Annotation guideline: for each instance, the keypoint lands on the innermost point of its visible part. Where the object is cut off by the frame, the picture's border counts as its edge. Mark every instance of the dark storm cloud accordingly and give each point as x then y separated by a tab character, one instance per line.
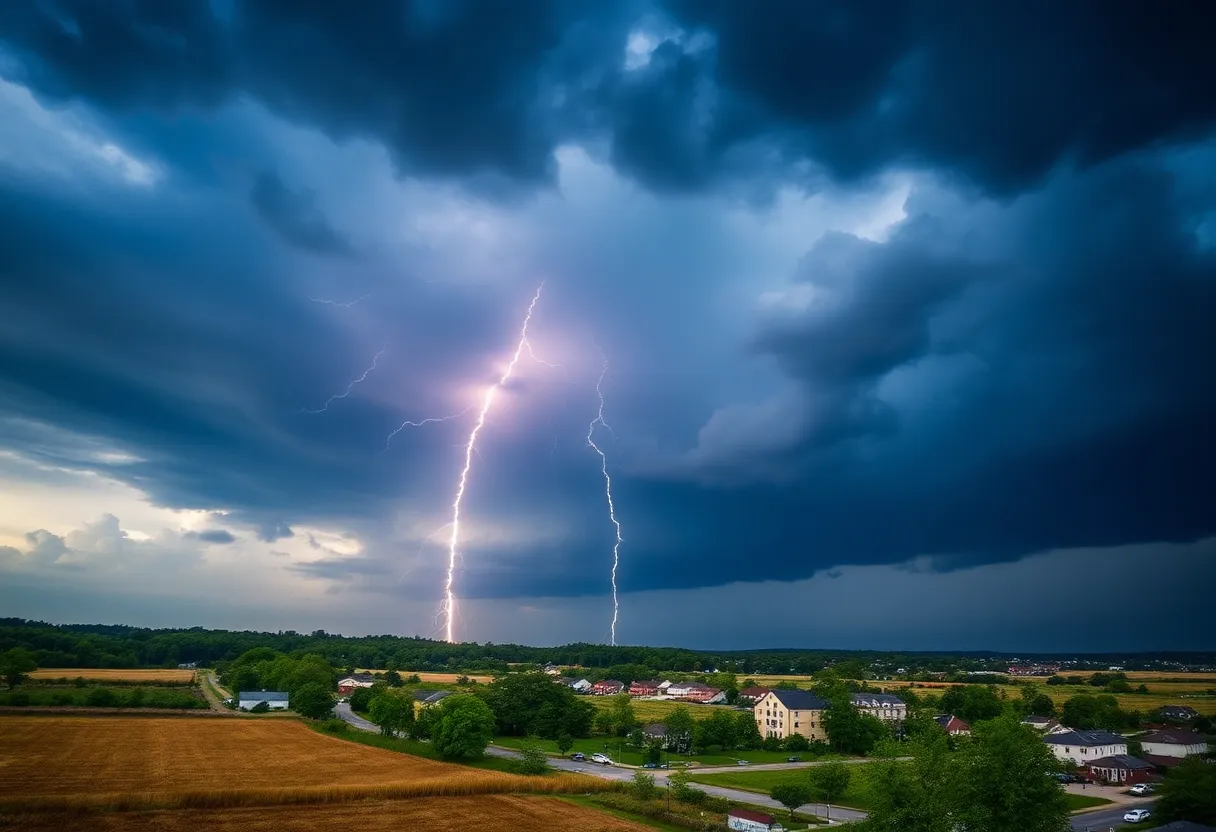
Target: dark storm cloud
295	217
998	92
221	536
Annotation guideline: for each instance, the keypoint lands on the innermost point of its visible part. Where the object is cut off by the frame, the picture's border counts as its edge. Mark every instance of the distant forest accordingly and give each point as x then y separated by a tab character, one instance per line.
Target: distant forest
105	645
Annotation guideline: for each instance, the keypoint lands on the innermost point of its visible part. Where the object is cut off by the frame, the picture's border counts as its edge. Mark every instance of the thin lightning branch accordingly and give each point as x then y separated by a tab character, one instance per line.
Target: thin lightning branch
346	305
538	359
421	422
449	600
349	387
616	547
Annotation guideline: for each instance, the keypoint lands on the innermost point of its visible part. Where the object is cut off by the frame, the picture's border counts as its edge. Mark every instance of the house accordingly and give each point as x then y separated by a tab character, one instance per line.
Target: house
1173	743
664	686
581	686
1120	769
1179	713
248	699
356	680
745	820
655	731
780	713
678	689
607	687
552	670
704	695
644	688
1044	724
752	695
187	666
952	725
1079	747
884	706
426	698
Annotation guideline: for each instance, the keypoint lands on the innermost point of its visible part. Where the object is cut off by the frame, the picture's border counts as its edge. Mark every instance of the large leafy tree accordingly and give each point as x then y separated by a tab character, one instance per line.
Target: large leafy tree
312	700
1189	793
464	727
393	713
680	726
1003	782
623	719
747	732
15	664
849	730
913	796
972	702
830	781
1087	711
532	704
791	795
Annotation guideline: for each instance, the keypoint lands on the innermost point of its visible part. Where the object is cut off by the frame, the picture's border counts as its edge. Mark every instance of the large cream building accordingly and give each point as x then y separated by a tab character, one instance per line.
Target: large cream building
780	713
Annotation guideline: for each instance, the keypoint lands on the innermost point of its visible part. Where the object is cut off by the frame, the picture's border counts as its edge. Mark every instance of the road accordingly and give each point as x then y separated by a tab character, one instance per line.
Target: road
342	711
1108	817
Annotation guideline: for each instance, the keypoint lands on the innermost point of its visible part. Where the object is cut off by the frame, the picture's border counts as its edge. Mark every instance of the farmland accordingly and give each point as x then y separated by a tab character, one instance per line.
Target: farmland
450	814
657	710
94	674
857	796
440	678
51	762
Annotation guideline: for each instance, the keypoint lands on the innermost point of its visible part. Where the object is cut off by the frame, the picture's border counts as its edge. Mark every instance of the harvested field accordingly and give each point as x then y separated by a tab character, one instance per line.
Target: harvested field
120	763
112	675
458	814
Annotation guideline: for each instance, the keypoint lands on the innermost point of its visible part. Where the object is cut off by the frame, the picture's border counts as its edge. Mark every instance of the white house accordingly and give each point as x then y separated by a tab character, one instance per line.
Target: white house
746	820
581	686
277	700
679	689
1080	747
884	706
1173	743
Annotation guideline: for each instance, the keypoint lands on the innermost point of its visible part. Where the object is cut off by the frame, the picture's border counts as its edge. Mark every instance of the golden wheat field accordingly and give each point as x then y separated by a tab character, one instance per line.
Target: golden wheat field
111	675
458	814
129	763
440	678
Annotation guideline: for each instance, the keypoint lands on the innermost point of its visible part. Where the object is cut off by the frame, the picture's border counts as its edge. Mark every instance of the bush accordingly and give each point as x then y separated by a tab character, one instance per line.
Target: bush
796	742
101	698
19	698
361	700
260	708
533	759
334	726
643	786
62	697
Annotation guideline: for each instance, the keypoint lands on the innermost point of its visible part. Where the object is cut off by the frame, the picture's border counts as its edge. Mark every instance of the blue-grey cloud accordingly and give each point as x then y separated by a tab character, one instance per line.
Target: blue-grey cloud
294	217
222	536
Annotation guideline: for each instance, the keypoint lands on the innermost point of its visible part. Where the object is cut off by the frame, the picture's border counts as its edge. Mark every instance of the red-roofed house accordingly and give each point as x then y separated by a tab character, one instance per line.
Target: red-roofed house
1121	769
750	696
706	696
953	725
607	687
644	688
745	820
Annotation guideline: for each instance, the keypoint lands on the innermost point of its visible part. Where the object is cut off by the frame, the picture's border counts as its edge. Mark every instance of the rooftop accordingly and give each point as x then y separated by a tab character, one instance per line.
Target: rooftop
1086	738
1120	761
263	695
430	696
748	814
882	699
800	700
1173	737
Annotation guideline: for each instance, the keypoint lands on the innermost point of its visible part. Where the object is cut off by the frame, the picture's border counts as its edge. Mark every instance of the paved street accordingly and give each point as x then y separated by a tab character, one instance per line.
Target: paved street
1108	817
343	712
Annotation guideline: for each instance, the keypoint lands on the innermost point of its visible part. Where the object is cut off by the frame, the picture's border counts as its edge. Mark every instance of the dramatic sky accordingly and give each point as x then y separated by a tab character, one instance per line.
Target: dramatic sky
908	309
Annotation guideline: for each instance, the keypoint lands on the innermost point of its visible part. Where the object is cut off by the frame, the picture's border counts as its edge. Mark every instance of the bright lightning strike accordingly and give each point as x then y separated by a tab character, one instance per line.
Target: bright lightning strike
421	422
345	305
349	387
449	597
616	547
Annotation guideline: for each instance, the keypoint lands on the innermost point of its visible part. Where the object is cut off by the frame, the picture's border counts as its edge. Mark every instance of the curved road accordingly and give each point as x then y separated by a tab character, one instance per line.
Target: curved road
1108	817
342	711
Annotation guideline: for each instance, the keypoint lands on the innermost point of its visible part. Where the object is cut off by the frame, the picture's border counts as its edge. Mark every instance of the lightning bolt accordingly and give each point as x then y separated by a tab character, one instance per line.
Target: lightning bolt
349	387
616	547
421	422
449	597
346	305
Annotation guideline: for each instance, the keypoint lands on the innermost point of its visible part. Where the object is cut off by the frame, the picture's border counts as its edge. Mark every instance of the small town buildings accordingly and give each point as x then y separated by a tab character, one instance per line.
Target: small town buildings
952	725
348	685
1080	747
1179	713
1120	769
1044	724
607	687
1034	669
581	686
679	690
276	699
642	687
187	666
1173	743
423	698
745	820
552	670
884	706
752	695
664	686
781	713
655	731
705	695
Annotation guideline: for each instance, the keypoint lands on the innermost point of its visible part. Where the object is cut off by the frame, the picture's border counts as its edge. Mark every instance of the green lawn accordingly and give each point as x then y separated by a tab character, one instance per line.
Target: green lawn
857	796
633	756
656	710
1085	801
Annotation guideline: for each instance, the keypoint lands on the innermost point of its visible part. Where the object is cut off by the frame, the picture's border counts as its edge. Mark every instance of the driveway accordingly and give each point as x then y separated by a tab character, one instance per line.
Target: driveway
343	712
1106	818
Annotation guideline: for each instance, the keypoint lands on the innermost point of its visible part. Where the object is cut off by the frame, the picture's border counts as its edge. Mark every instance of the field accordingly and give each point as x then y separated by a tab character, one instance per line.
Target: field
622	753
440	678
648	710
449	814
220	763
111	675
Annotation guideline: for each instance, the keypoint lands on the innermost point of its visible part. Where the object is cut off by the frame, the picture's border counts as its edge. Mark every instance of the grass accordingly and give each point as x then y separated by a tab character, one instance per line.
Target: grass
856	797
70	674
656	710
1077	802
633	756
435	814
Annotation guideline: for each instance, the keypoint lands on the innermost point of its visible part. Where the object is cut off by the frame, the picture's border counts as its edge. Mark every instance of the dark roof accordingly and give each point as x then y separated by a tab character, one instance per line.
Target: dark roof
800	700
1186	709
263	695
1173	737
610	682
754	692
748	814
1183	826
650	683
430	696
1087	738
1120	761
944	720
1037	719
361	677
655	729
880	698
1162	761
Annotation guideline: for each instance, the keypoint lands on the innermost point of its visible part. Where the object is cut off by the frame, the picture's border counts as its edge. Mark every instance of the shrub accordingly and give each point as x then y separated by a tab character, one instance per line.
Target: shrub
796	742
334	726
101	698
19	698
260	708
643	786
533	759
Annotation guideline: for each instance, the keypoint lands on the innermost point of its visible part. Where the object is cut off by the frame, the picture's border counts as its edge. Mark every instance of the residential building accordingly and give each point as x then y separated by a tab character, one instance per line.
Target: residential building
642	687
1173	743
704	695
884	706
780	713
1179	713
552	670
752	695
1044	724
1120	769
1079	747
664	686
276	699
745	820
655	731
423	698
607	687
680	689
1034	669
581	686
356	680
187	666
952	725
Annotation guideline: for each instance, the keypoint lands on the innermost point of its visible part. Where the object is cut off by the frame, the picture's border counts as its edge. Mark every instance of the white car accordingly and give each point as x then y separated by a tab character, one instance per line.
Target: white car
1136	815
601	758
1142	788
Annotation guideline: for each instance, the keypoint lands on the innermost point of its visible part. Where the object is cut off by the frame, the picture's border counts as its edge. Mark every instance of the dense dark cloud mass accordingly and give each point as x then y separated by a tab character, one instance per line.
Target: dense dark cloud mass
880	284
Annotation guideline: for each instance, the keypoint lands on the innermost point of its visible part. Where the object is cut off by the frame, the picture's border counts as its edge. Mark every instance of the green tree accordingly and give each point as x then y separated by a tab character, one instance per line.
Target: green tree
533	759
719	729
1087	712
313	700
393	679
643	786
530	703
791	795
465	727
425	724
912	797
747	732
15	664
972	703
564	743
679	783
797	743
1004	783
1188	793
680	725
361	699
849	730
623	719
830	781
392	713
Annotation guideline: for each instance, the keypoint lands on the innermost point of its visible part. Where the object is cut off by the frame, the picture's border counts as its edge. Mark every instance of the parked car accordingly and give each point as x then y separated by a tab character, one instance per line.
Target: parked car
603	759
578	755
650	765
1137	815
742	762
1143	788
794	759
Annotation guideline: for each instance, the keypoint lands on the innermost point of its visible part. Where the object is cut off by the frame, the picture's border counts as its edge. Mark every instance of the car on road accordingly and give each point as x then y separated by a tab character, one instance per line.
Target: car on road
650	765
794	759
578	755
742	762
1143	789
1137	815
603	759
